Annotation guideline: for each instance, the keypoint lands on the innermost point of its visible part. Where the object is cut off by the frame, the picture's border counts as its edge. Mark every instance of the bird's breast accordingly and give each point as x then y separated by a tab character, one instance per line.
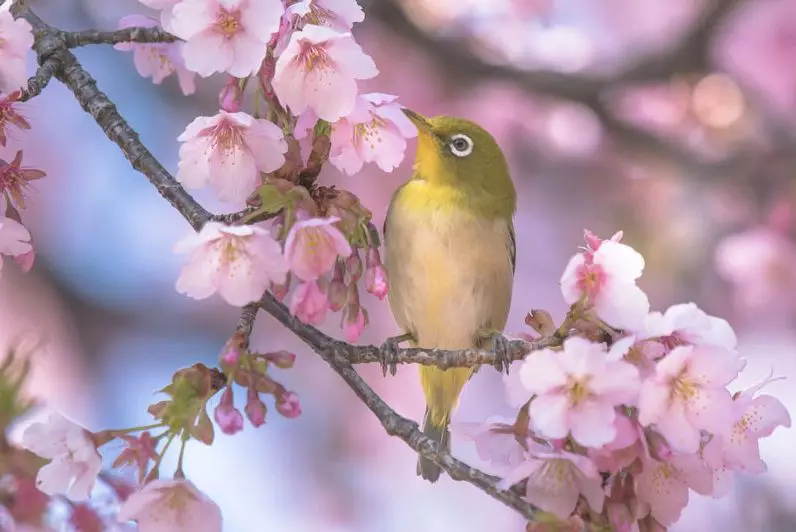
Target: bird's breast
450	271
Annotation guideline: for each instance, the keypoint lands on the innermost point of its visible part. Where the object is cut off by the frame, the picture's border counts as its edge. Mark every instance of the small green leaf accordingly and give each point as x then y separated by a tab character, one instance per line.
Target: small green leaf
272	198
322	129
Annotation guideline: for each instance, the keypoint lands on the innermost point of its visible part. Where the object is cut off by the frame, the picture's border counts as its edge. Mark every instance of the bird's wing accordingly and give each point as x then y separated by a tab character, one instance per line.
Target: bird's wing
512	246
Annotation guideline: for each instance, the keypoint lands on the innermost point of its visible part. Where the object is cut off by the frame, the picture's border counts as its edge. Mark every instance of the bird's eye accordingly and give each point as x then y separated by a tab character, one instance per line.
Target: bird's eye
461	145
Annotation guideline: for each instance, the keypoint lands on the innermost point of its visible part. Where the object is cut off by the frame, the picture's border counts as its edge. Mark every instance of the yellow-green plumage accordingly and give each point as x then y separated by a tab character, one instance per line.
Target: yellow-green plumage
449	243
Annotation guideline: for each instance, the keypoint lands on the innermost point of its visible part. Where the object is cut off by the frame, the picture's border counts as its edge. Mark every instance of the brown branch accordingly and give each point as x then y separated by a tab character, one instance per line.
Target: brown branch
73	39
40	79
338	355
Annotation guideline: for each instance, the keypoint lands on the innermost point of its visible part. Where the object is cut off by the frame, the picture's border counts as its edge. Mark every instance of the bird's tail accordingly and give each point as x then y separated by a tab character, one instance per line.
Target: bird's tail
440	434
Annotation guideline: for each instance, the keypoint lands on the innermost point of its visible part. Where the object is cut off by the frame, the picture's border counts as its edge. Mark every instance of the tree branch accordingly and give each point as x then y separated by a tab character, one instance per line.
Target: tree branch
73	39
336	354
40	79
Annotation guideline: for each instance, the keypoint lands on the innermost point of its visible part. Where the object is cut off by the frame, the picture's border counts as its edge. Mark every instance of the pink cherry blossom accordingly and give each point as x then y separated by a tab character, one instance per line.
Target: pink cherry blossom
664	485
229	150
226	35
609	282
495	441
688	324
759	264
309	303
157	60
688	394
238	262
339	15
557	480
16	39
171	505
376	275
15	240
229	418
255	409
318	70
577	390
166	8
313	245
374	132
756	417
75	462
288	405
626	447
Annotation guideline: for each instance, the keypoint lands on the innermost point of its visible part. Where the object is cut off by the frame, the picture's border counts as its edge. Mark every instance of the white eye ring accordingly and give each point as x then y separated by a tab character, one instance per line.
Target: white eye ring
461	145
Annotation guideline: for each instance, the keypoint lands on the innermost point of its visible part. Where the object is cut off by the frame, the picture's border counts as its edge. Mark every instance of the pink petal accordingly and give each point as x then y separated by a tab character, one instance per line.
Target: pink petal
554	488
330	92
234	173
569	280
592	423
540	372
620	261
549	415
766	414
714	366
200	278
618	384
207	53
55	477
653	401
675	426
267	145
622	304
711	410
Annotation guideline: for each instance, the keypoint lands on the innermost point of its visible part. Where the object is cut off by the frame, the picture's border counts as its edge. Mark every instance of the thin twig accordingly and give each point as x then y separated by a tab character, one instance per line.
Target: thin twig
40	79
73	39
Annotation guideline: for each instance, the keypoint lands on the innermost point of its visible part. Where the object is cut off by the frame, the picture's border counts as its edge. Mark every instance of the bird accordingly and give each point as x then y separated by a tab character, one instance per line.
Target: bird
450	254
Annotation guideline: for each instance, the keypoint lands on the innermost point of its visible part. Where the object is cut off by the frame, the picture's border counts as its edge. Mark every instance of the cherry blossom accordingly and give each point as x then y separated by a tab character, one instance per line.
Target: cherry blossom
14	237
496	442
289	405
166	8
227	416
16	39
577	390
313	245
238	262
688	324
75	462
374	132
226	35
557	480
175	505
229	150
255	409
609	282
309	303
688	394
9	116
318	70
339	15
756	417
376	275
664	485
15	179
157	60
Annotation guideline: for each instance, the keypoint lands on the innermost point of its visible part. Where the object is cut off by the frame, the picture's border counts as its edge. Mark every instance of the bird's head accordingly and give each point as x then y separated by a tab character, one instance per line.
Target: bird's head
461	154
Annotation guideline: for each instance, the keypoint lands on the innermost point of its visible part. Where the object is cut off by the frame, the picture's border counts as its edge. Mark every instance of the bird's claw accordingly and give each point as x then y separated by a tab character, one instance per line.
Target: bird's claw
501	348
389	355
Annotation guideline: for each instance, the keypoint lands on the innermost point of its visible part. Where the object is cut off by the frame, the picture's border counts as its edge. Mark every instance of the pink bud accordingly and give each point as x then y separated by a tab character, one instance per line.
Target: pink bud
354	266
281	359
288	405
255	409
659	447
231	352
229	99
373	258
376	281
228	417
337	295
354	324
592	241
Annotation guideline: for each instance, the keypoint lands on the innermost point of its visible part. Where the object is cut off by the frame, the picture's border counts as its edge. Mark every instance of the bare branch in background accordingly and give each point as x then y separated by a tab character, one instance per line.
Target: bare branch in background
690	55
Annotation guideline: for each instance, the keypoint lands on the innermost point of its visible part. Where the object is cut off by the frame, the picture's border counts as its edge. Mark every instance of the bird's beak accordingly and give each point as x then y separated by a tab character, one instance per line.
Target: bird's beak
419	121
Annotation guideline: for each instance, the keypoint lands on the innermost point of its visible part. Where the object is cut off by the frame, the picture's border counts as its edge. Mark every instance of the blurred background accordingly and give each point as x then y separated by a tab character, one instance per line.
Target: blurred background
674	120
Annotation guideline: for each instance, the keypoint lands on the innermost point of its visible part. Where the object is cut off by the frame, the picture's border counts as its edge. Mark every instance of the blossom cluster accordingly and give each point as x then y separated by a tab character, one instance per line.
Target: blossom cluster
618	424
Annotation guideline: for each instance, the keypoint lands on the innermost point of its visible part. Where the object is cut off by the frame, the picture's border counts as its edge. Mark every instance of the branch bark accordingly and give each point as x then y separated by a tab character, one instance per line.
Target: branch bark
73	39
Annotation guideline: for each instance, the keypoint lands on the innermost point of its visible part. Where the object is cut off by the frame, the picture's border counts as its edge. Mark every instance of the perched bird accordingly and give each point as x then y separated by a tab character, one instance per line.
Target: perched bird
450	254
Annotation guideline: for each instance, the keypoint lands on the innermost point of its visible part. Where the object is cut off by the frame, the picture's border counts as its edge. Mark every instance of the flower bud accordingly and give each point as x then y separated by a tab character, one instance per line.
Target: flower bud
230	354
281	359
354	266
229	99
659	447
541	321
376	281
255	409
228	417
288	405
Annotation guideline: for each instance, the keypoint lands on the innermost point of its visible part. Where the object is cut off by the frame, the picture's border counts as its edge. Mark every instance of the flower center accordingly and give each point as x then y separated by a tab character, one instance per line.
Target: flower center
228	22
685	389
318	15
578	390
313	56
369	131
227	136
591	279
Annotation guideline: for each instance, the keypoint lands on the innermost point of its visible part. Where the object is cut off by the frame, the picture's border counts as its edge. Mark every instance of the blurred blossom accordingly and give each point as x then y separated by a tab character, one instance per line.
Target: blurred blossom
574	129
757	44
760	264
717	101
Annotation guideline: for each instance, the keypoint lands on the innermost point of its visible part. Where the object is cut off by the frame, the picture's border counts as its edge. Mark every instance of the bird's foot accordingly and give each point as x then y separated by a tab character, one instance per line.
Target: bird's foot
501	348
388	353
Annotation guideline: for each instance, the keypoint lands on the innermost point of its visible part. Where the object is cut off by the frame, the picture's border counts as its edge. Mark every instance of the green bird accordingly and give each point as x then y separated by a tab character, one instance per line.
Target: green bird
450	256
